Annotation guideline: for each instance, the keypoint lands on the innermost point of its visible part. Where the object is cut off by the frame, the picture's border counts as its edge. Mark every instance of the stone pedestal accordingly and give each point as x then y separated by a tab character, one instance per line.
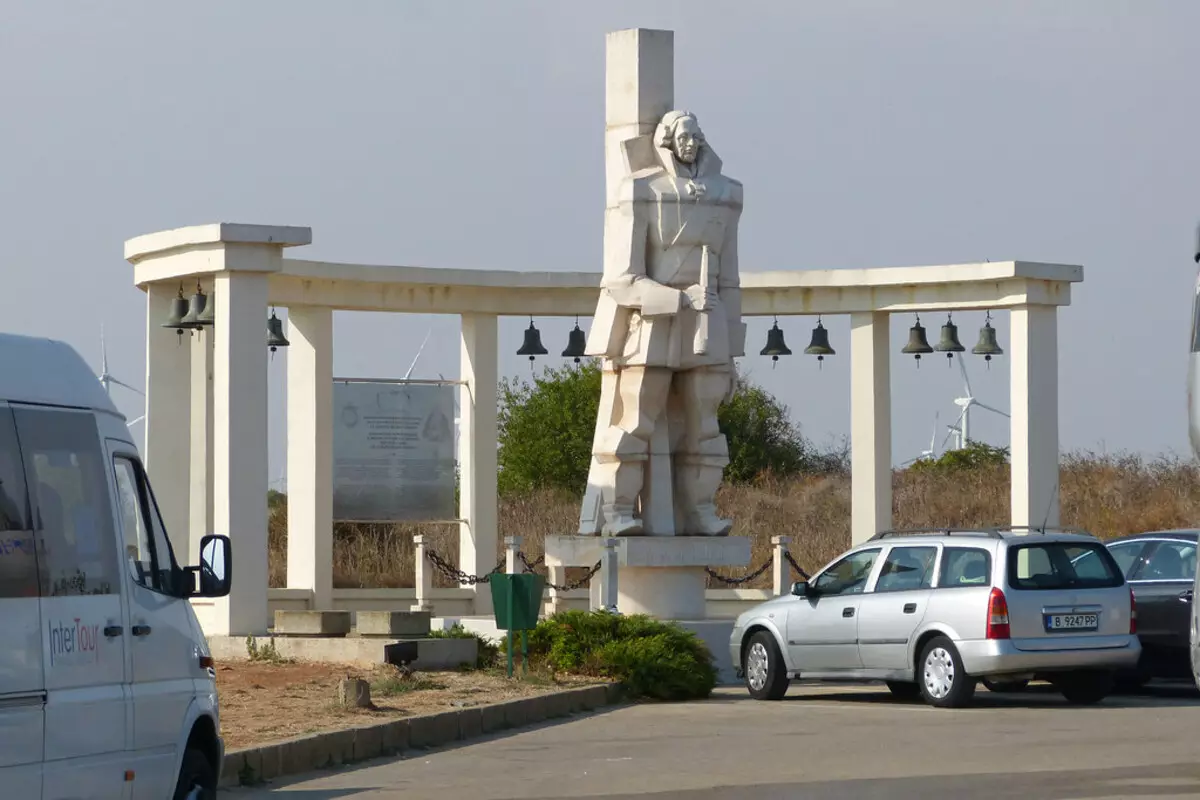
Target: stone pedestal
662	576
312	623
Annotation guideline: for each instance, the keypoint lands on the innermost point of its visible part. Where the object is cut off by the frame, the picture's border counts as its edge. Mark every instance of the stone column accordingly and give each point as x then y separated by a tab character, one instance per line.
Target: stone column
870	426
512	562
478	532
1034	408
168	368
201	461
240	448
310	454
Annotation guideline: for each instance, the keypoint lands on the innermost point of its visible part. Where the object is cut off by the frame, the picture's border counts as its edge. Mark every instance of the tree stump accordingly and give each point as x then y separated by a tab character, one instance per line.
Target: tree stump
354	693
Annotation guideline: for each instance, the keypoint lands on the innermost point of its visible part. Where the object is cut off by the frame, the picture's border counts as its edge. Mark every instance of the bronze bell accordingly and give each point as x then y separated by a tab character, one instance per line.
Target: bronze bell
576	344
987	346
819	346
949	343
196	308
179	310
917	343
275	337
533	343
208	317
776	347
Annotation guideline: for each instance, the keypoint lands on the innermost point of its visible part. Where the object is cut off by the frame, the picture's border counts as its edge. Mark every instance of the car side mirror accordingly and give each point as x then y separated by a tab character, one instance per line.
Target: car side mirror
216	576
800	589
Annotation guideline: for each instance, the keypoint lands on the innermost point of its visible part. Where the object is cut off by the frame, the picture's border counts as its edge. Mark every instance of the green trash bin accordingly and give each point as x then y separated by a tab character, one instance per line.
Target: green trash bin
517	604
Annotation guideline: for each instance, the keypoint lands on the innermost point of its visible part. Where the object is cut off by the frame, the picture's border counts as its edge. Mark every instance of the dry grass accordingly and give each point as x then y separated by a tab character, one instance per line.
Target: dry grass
1107	495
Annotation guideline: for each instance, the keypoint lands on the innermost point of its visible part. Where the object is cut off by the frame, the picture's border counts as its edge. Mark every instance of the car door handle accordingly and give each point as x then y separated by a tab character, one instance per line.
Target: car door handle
141	630
112	631
910	608
848	612
1186	596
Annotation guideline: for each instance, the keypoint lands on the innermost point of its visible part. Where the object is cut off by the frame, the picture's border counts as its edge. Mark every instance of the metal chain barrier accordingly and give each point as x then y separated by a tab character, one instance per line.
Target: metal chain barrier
745	578
453	573
570	587
792	560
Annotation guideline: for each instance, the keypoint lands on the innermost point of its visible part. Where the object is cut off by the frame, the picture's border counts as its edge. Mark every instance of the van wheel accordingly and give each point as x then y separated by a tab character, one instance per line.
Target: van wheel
1085	688
940	674
197	781
766	678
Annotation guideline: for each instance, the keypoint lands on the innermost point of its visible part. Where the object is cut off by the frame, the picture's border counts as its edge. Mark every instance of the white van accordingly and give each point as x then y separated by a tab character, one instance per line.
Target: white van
107	688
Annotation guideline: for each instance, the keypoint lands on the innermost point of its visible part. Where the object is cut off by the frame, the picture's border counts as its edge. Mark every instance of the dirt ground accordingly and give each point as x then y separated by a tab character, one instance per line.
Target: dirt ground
263	702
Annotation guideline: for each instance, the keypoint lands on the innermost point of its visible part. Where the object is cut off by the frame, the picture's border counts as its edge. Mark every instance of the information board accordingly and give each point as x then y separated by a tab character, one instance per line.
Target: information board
393	451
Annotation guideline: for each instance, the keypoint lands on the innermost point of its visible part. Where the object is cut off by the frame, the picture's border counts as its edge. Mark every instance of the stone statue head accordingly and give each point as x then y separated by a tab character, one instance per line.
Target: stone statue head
679	132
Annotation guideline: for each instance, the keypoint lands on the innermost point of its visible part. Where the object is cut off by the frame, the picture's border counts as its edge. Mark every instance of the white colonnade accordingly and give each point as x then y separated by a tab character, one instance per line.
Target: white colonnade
206	440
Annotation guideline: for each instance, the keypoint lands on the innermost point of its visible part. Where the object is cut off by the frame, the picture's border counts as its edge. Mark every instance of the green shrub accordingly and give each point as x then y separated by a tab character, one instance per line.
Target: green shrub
650	658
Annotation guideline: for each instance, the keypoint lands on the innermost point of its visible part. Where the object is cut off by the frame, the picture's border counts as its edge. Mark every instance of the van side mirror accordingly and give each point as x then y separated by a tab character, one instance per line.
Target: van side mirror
800	588
216	560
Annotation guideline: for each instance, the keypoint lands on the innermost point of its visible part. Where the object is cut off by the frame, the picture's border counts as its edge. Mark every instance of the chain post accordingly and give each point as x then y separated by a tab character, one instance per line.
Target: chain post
608	576
779	565
423	574
512	555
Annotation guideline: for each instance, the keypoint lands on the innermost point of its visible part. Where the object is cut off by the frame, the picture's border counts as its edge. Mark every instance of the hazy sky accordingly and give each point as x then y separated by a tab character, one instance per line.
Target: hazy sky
470	134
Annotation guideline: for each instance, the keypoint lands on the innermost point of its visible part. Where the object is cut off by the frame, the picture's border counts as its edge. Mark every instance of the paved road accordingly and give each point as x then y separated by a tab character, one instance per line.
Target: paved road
819	743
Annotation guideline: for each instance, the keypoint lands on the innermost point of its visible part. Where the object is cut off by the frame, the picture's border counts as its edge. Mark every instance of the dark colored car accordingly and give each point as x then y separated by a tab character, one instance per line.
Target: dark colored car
1161	568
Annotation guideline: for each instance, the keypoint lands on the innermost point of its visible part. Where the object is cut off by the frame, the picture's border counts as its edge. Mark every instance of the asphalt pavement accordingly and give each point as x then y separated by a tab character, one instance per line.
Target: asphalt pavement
819	742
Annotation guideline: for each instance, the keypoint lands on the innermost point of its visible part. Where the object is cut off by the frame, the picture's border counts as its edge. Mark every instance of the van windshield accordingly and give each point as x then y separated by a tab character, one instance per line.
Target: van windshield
1062	565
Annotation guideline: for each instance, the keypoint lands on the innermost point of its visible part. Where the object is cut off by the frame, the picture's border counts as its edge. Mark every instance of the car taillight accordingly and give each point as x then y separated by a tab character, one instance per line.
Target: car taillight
997	623
1132	613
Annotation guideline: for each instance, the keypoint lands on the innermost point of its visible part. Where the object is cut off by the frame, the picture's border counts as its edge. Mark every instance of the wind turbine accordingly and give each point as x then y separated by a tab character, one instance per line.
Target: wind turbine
107	379
962	429
931	453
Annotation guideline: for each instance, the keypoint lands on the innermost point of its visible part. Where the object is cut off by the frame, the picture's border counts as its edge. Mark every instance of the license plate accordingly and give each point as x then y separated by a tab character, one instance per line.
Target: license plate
1071	622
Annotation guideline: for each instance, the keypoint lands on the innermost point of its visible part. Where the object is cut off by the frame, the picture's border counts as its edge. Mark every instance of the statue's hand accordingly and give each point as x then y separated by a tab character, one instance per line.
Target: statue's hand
701	298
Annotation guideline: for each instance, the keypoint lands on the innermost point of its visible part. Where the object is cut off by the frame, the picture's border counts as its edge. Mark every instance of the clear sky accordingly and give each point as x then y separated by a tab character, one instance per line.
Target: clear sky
469	134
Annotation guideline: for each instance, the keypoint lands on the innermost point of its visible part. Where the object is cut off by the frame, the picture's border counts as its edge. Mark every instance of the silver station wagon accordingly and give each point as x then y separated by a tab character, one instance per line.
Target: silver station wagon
933	612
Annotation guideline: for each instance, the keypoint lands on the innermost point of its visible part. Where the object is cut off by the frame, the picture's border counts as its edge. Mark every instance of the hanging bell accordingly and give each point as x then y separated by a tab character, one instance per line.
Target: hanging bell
775	344
179	310
917	343
533	343
949	343
208	317
987	346
819	346
576	344
196	308
275	337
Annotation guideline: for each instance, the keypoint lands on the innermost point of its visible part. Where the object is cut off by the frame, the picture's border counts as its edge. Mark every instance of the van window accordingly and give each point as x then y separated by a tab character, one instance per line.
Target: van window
147	550
18	553
965	566
69	494
1063	565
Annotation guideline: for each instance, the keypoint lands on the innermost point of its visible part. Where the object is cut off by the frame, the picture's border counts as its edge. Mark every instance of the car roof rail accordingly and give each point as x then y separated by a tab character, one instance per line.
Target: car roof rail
1019	530
943	531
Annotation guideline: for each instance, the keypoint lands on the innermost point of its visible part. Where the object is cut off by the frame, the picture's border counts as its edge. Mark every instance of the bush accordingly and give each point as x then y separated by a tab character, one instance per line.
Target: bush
652	659
975	455
545	432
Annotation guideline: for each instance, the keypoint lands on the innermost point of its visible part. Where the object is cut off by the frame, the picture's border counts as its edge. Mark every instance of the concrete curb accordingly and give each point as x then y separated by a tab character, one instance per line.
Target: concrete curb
254	765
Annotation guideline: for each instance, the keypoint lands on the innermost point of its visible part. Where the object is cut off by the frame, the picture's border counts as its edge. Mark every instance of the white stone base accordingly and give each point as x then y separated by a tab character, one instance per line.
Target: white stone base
662	576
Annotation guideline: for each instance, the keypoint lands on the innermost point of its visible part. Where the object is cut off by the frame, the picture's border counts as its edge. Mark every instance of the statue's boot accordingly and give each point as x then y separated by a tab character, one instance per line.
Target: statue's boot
622	467
697	478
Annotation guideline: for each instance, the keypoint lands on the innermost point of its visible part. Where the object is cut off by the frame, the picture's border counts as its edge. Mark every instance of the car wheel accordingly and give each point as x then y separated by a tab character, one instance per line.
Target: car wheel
942	680
197	781
1085	688
904	690
1005	687
762	664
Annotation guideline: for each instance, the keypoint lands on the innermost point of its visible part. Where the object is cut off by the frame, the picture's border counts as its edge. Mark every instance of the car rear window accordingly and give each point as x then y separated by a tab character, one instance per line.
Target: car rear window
1062	565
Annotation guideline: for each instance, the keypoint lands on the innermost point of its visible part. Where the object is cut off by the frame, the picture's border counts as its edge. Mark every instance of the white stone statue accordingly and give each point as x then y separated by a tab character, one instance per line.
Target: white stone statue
668	326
